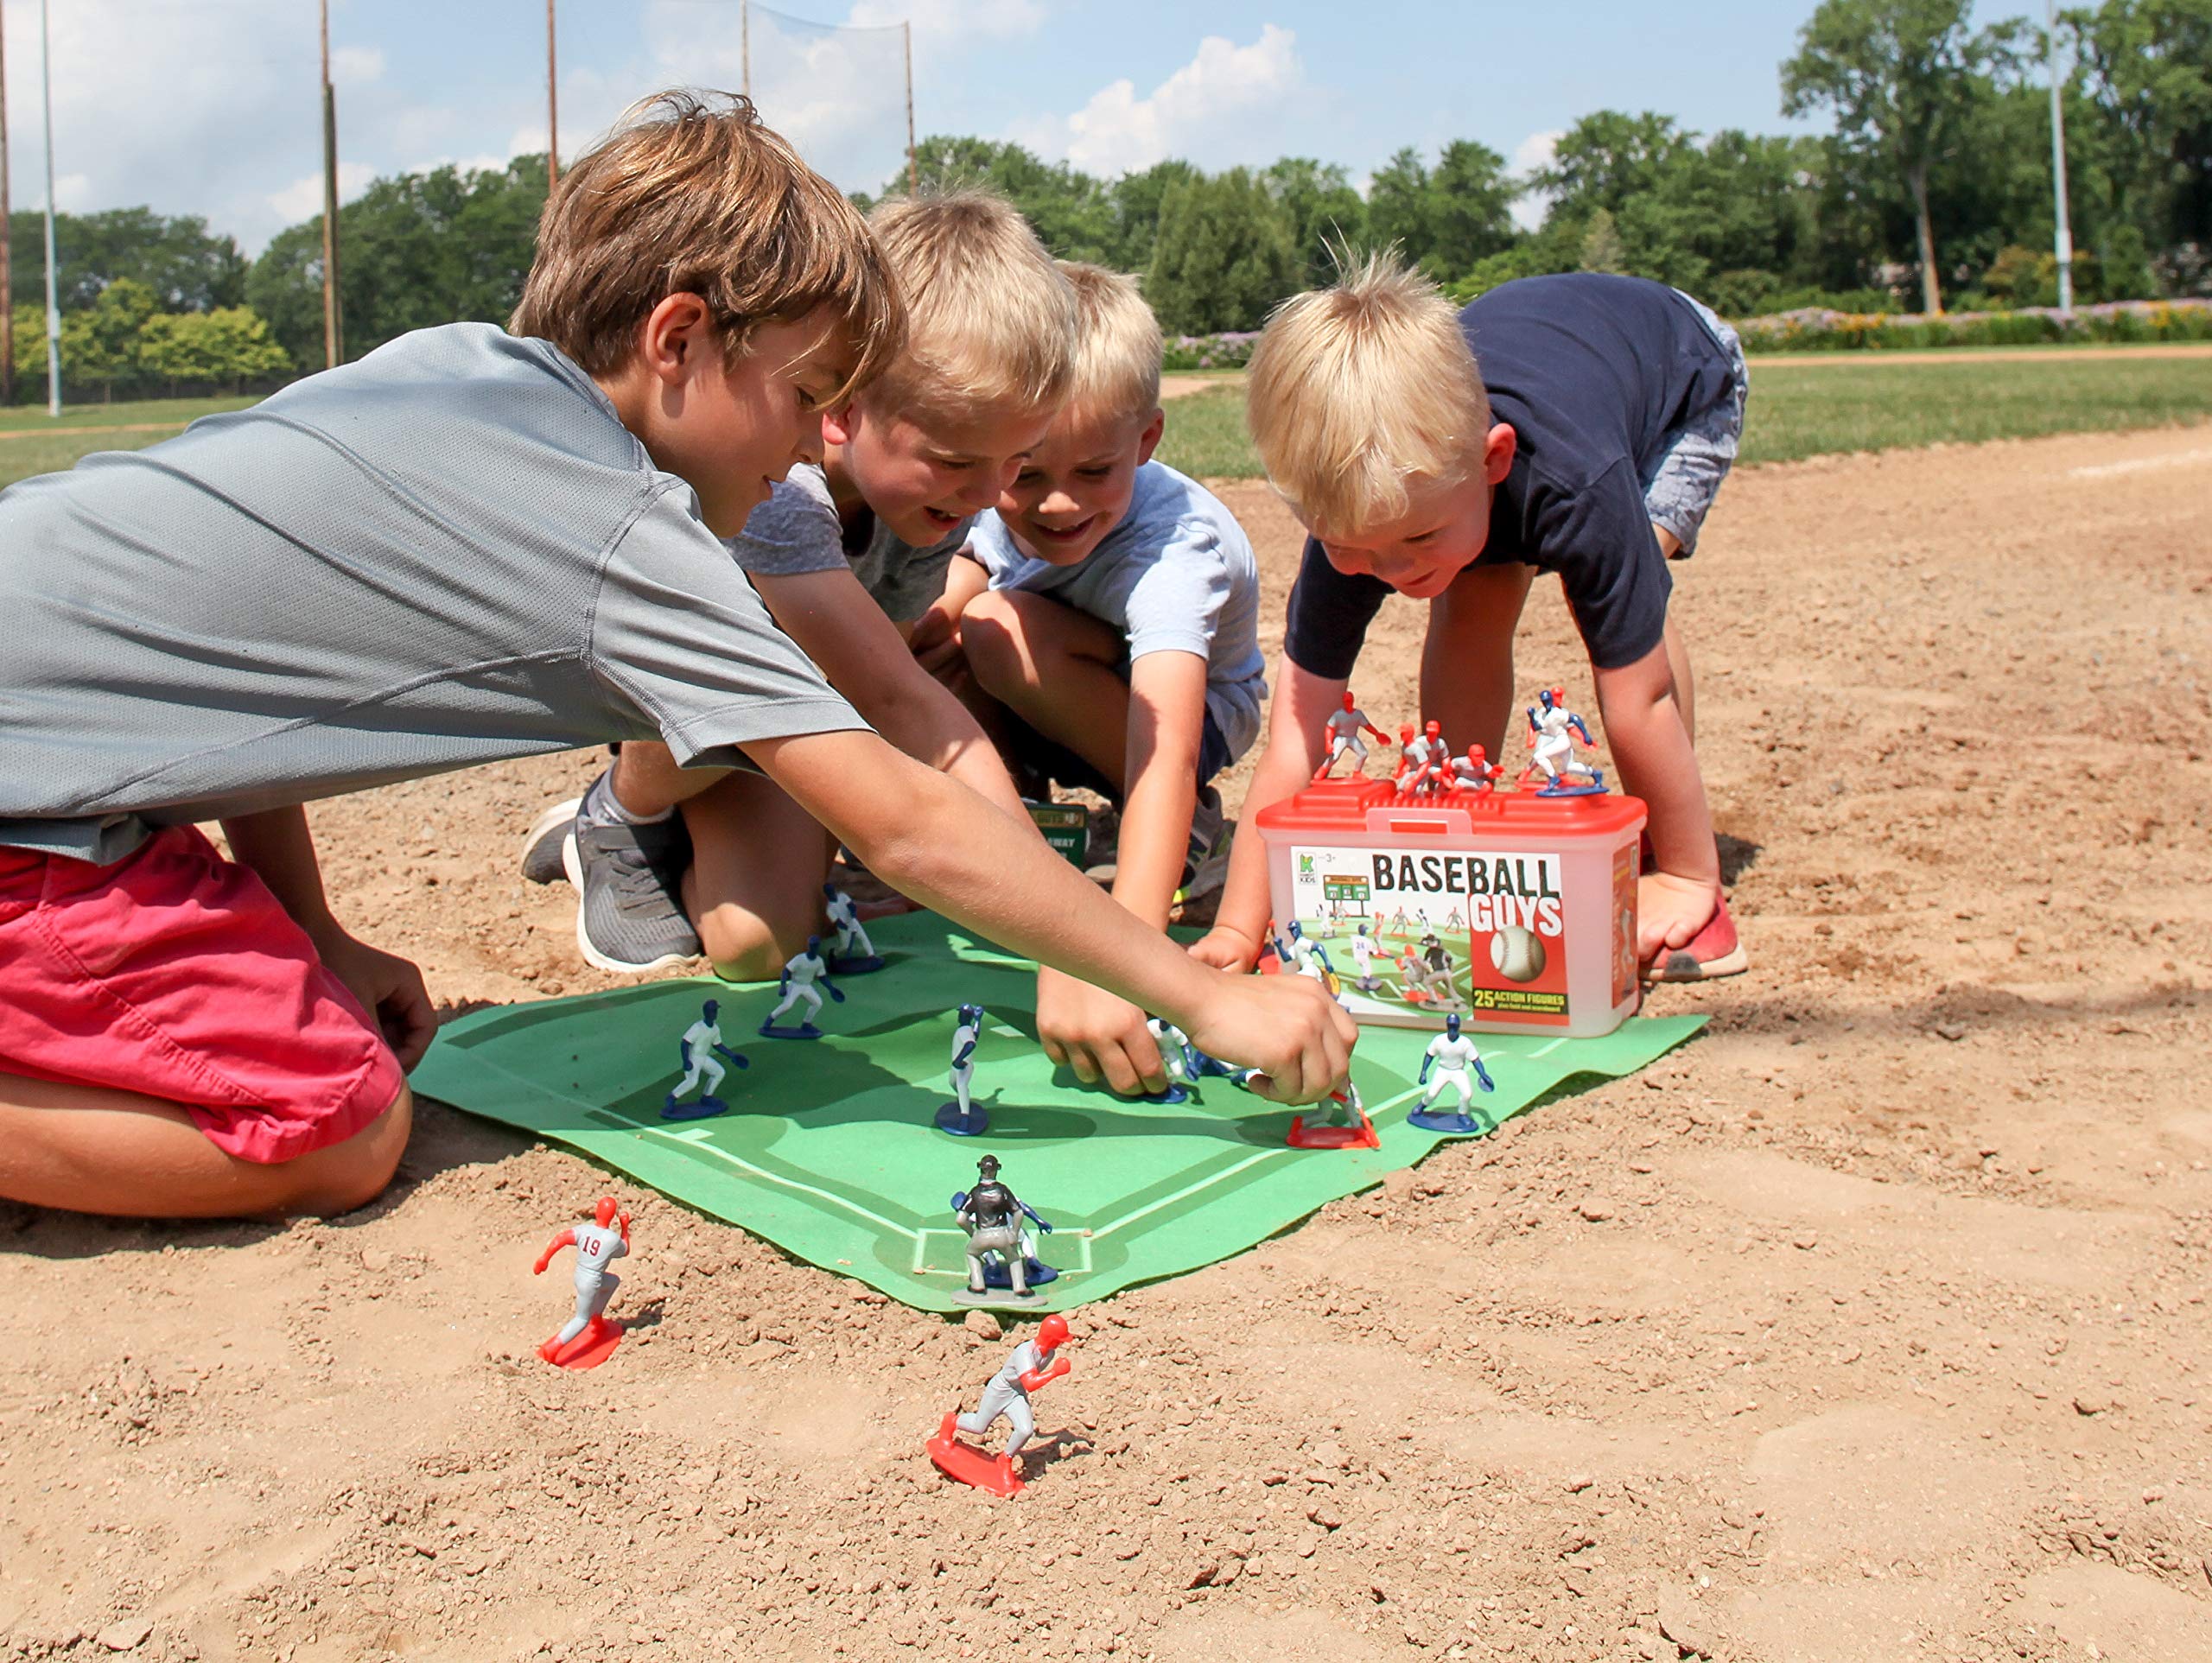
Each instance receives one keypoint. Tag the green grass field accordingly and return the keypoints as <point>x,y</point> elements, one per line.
<point>1798,408</point>
<point>1801,409</point>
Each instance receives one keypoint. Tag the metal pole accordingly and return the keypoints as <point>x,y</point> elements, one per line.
<point>53,308</point>
<point>744,47</point>
<point>2064,236</point>
<point>552,105</point>
<point>333,344</point>
<point>914,173</point>
<point>7,268</point>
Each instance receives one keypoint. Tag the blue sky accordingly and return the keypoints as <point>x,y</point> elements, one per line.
<point>209,106</point>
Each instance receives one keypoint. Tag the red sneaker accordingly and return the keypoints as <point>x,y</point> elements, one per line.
<point>1713,951</point>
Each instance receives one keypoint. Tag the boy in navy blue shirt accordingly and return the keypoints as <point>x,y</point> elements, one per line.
<point>1590,442</point>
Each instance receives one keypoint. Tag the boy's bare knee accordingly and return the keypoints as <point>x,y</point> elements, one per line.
<point>744,946</point>
<point>990,637</point>
<point>355,1172</point>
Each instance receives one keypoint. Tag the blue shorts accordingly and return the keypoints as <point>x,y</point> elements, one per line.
<point>1695,457</point>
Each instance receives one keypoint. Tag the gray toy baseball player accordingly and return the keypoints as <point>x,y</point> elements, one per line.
<point>1032,1365</point>
<point>992,1215</point>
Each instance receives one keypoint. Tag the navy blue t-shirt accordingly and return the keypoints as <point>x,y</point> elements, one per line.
<point>1592,371</point>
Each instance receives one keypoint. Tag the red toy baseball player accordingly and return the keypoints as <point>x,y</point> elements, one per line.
<point>1030,1366</point>
<point>588,1339</point>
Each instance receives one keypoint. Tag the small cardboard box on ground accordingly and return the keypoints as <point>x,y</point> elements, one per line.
<point>1514,909</point>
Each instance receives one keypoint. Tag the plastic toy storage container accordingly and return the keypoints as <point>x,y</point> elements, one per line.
<point>1513,910</point>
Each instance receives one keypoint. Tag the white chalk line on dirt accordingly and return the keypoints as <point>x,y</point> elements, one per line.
<point>2138,465</point>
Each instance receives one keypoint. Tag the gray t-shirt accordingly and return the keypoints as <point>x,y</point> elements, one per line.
<point>449,553</point>
<point>1176,575</point>
<point>797,530</point>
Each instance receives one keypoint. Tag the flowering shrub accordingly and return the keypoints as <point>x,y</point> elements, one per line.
<point>1231,351</point>
<point>1818,329</point>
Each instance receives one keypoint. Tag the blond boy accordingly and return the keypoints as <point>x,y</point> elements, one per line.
<point>471,545</point>
<point>1111,605</point>
<point>1590,443</point>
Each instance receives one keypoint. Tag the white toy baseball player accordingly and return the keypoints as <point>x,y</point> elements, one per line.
<point>695,1052</point>
<point>801,972</point>
<point>1551,737</point>
<point>597,1245</point>
<point>1344,727</point>
<point>1451,1054</point>
<point>1363,957</point>
<point>1176,1056</point>
<point>961,1115</point>
<point>846,921</point>
<point>1305,956</point>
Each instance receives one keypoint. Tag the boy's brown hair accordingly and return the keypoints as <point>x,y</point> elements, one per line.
<point>691,194</point>
<point>991,323</point>
<point>1361,393</point>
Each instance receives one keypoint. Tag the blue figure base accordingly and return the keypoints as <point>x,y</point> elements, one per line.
<point>1173,1094</point>
<point>1459,1125</point>
<point>804,1031</point>
<point>856,966</point>
<point>704,1108</point>
<point>1211,1066</point>
<point>973,1124</point>
<point>1036,1271</point>
<point>1557,788</point>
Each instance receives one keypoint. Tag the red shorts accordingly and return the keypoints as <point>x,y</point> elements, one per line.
<point>175,973</point>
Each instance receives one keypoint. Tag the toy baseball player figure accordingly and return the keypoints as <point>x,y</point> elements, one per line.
<point>996,1273</point>
<point>1451,1054</point>
<point>696,1049</point>
<point>588,1339</point>
<point>1435,770</point>
<point>992,1215</point>
<point>1345,726</point>
<point>1176,1056</point>
<point>1475,772</point>
<point>1412,976</point>
<point>847,923</point>
<point>1436,973</point>
<point>1033,1365</point>
<point>1306,957</point>
<point>961,1117</point>
<point>1413,757</point>
<point>801,972</point>
<point>1551,737</point>
<point>1363,958</point>
<point>1355,1131</point>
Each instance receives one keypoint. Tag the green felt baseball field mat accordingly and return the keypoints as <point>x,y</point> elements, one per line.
<point>829,1149</point>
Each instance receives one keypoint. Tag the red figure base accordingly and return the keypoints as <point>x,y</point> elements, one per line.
<point>1333,1137</point>
<point>969,1464</point>
<point>588,1349</point>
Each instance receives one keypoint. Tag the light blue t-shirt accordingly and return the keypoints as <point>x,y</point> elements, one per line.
<point>1176,575</point>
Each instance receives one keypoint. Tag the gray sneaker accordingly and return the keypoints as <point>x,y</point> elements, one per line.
<point>629,884</point>
<point>1207,867</point>
<point>541,850</point>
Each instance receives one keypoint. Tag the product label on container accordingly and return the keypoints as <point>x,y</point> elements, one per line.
<point>1426,933</point>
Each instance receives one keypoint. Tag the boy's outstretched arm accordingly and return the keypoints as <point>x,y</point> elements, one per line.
<point>278,848</point>
<point>1651,747</point>
<point>1096,1033</point>
<point>936,841</point>
<point>1297,734</point>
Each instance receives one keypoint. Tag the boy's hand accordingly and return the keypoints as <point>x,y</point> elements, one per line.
<point>1287,1027</point>
<point>390,988</point>
<point>1669,911</point>
<point>1100,1036</point>
<point>935,640</point>
<point>1226,948</point>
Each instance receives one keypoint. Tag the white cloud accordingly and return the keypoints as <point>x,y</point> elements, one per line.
<point>1225,105</point>
<point>355,66</point>
<point>1533,153</point>
<point>302,198</point>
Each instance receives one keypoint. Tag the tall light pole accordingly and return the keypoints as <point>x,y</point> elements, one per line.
<point>53,308</point>
<point>333,333</point>
<point>2063,238</point>
<point>552,106</point>
<point>7,269</point>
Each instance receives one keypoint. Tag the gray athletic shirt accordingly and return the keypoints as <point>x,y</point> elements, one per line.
<point>449,553</point>
<point>798,530</point>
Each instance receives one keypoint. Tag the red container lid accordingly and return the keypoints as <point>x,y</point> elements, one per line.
<point>1352,806</point>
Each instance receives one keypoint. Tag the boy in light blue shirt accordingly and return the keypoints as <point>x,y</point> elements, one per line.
<point>1105,619</point>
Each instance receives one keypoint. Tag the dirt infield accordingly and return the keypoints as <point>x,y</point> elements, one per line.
<point>1872,1325</point>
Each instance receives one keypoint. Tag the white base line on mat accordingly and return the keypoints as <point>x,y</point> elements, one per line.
<point>695,1141</point>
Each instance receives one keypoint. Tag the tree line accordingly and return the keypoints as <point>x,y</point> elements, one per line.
<point>1934,185</point>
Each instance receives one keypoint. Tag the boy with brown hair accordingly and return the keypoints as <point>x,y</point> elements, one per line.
<point>846,553</point>
<point>1589,441</point>
<point>1109,607</point>
<point>470,545</point>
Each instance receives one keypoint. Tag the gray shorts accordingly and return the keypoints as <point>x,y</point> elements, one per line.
<point>1695,457</point>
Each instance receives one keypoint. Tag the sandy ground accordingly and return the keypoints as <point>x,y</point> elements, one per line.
<point>1872,1325</point>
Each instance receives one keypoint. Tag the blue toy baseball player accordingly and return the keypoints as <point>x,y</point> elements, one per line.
<point>695,1052</point>
<point>1451,1054</point>
<point>801,972</point>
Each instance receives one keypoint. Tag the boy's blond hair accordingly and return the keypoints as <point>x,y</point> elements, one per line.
<point>991,323</point>
<point>1117,346</point>
<point>691,194</point>
<point>1362,391</point>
